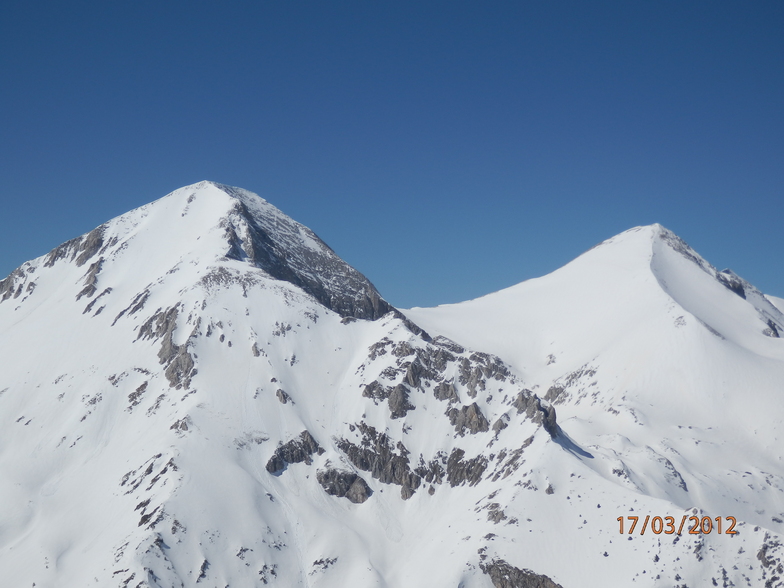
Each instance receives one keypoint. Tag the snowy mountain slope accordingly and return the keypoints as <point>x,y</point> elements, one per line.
<point>200,393</point>
<point>670,373</point>
<point>777,302</point>
<point>175,413</point>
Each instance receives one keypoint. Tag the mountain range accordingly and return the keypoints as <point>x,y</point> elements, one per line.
<point>200,392</point>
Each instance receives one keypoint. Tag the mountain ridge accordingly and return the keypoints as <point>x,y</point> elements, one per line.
<point>175,414</point>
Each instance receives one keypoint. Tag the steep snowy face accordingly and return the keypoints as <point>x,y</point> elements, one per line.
<point>721,300</point>
<point>604,296</point>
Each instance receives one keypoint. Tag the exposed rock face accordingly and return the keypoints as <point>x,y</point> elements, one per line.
<point>499,425</point>
<point>468,417</point>
<point>91,280</point>
<point>398,402</point>
<point>770,558</point>
<point>433,471</point>
<point>504,575</point>
<point>79,249</point>
<point>376,455</point>
<point>537,410</point>
<point>342,483</point>
<point>459,471</point>
<point>260,234</point>
<point>397,397</point>
<point>731,281</point>
<point>180,367</point>
<point>297,450</point>
<point>430,400</point>
<point>446,391</point>
<point>10,286</point>
<point>480,367</point>
<point>433,364</point>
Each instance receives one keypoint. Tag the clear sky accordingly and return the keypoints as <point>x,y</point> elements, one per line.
<point>445,149</point>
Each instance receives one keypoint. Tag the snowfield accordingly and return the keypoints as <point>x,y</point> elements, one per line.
<point>201,393</point>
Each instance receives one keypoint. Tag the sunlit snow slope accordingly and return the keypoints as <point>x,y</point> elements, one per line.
<point>201,393</point>
<point>670,374</point>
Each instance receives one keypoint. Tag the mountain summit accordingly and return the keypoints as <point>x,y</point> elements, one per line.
<point>209,221</point>
<point>201,393</point>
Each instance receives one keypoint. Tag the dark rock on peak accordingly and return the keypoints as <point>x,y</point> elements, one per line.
<point>91,279</point>
<point>260,234</point>
<point>500,424</point>
<point>411,325</point>
<point>680,246</point>
<point>731,281</point>
<point>359,491</point>
<point>446,391</point>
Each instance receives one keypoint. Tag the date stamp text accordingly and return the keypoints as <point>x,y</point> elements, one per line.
<point>668,526</point>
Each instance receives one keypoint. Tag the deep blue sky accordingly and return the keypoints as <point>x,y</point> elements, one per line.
<point>445,149</point>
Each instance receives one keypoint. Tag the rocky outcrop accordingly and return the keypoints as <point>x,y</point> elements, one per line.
<point>432,472</point>
<point>398,402</point>
<point>539,411</point>
<point>476,369</point>
<point>504,575</point>
<point>770,558</point>
<point>732,281</point>
<point>460,471</point>
<point>180,367</point>
<point>342,483</point>
<point>12,286</point>
<point>468,417</point>
<point>297,450</point>
<point>446,391</point>
<point>397,397</point>
<point>80,249</point>
<point>376,455</point>
<point>91,279</point>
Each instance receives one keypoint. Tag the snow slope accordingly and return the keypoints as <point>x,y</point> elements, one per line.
<point>201,393</point>
<point>660,366</point>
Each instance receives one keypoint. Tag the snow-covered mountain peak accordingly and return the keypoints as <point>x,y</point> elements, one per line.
<point>668,371</point>
<point>211,228</point>
<point>187,388</point>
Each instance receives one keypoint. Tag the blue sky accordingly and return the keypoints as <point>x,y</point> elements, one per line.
<point>445,149</point>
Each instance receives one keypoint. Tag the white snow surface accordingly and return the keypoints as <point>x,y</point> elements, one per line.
<point>654,367</point>
<point>141,401</point>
